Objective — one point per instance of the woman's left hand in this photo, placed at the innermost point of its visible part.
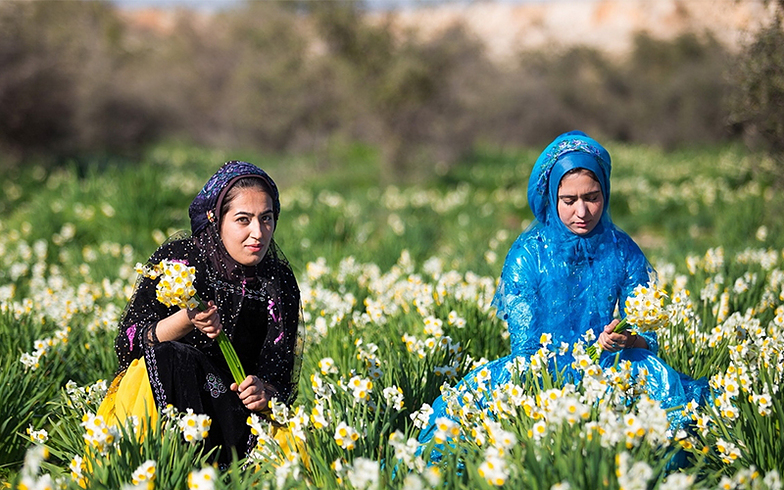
(611, 341)
(255, 393)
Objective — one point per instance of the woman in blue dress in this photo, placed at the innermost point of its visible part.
(564, 277)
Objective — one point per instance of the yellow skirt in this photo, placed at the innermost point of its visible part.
(129, 395)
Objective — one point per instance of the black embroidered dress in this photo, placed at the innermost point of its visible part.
(191, 372)
(259, 308)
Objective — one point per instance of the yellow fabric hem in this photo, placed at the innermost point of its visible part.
(129, 395)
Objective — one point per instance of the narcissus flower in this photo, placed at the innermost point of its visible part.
(346, 436)
(195, 427)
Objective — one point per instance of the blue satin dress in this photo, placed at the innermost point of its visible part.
(556, 282)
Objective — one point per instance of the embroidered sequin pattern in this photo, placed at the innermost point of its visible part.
(561, 149)
(131, 333)
(214, 385)
(155, 381)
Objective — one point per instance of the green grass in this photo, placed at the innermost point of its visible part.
(418, 253)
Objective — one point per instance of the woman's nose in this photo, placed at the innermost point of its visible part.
(255, 229)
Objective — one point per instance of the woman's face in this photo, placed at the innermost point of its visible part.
(580, 202)
(247, 227)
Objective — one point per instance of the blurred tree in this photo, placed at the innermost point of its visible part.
(757, 103)
(298, 76)
(37, 86)
(428, 101)
(565, 89)
(675, 91)
(64, 87)
(418, 94)
(268, 98)
(666, 93)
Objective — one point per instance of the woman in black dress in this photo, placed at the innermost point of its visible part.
(250, 293)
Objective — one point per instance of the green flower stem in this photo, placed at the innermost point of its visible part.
(621, 326)
(235, 366)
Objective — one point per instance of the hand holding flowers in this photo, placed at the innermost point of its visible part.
(175, 283)
(256, 394)
(175, 288)
(207, 320)
(612, 341)
(644, 312)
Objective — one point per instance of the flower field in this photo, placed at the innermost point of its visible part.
(396, 286)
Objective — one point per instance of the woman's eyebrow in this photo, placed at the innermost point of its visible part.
(575, 196)
(248, 213)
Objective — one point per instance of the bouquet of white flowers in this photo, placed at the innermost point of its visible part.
(644, 313)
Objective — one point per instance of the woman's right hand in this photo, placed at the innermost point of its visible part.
(611, 341)
(255, 393)
(208, 321)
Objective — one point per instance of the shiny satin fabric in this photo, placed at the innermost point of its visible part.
(570, 286)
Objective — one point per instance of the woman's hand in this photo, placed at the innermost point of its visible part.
(611, 341)
(255, 393)
(207, 321)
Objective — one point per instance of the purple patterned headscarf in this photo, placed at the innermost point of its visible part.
(204, 208)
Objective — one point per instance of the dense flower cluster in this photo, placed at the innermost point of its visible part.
(383, 341)
(144, 475)
(194, 426)
(203, 479)
(30, 479)
(645, 312)
(645, 308)
(42, 347)
(98, 434)
(37, 436)
(175, 283)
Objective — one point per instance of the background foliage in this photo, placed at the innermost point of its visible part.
(304, 77)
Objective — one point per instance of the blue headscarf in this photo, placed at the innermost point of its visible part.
(568, 151)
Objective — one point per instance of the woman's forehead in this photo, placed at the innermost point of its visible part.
(249, 195)
(584, 179)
